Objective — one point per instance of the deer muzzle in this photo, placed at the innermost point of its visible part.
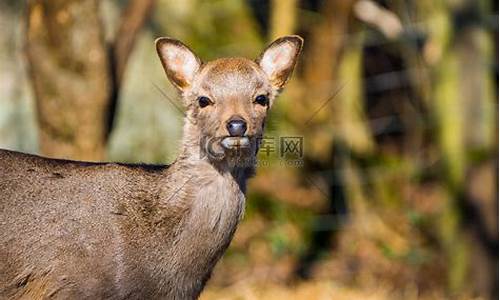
(235, 142)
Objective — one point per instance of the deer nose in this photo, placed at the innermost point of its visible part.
(236, 127)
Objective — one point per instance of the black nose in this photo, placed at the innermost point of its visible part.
(236, 127)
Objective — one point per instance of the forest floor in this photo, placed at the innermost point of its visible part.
(306, 290)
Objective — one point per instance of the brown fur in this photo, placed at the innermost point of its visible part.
(78, 230)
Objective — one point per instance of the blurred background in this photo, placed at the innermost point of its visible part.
(396, 193)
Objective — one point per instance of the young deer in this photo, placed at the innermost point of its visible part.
(79, 230)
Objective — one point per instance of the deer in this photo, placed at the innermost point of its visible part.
(105, 230)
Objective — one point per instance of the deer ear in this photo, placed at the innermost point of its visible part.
(279, 58)
(179, 62)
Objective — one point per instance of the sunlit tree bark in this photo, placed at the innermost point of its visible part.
(69, 70)
(283, 18)
(75, 77)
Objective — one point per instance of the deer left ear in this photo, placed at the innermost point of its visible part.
(179, 62)
(279, 58)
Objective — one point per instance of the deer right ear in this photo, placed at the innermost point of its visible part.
(179, 62)
(279, 59)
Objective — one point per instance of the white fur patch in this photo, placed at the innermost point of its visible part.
(232, 142)
(181, 61)
(278, 58)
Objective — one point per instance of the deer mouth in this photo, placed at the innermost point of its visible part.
(235, 142)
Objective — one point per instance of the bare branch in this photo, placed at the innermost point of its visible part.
(132, 20)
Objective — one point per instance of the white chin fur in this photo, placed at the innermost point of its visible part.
(234, 142)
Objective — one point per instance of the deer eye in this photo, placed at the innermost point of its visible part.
(262, 100)
(204, 101)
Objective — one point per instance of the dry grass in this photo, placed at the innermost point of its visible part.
(305, 290)
(317, 290)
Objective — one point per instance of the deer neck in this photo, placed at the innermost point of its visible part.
(214, 189)
(194, 156)
(214, 201)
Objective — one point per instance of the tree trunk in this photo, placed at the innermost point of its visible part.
(76, 76)
(283, 18)
(69, 69)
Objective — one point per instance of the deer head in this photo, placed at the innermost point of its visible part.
(227, 99)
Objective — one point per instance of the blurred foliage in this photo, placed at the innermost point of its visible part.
(396, 195)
